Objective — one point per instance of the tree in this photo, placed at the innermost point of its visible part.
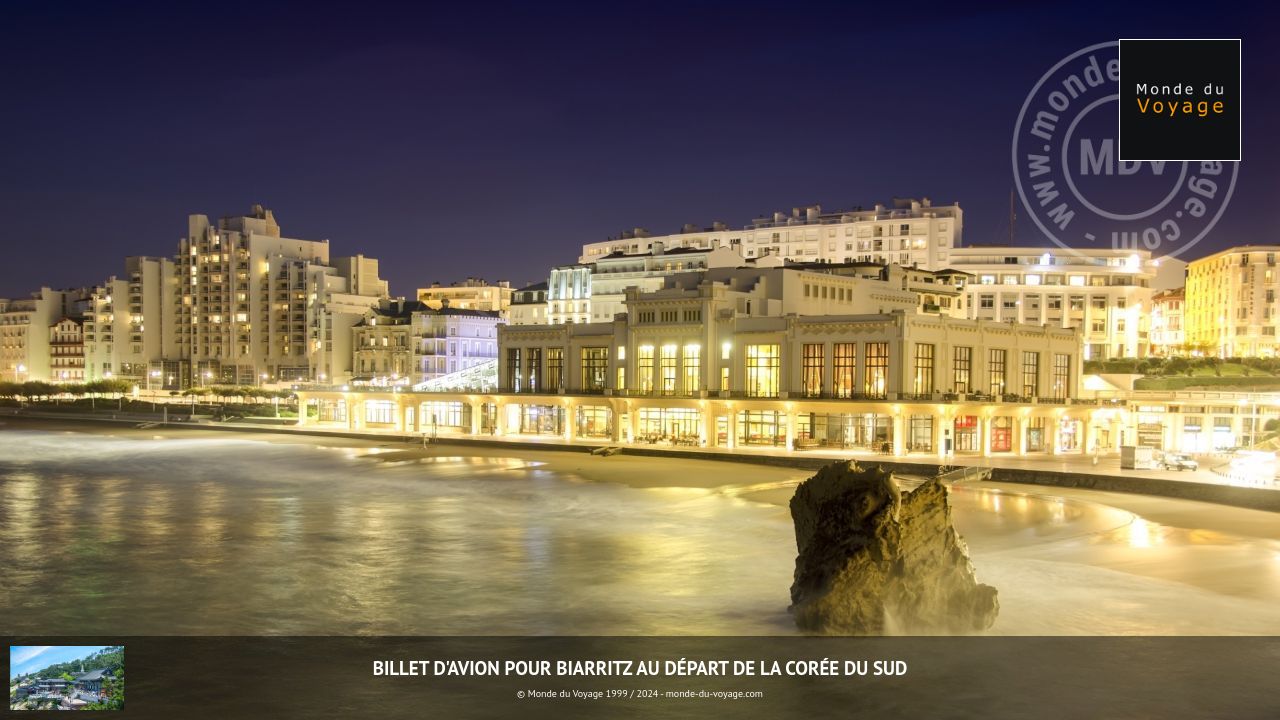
(1177, 365)
(113, 688)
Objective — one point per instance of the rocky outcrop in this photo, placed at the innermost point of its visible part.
(872, 559)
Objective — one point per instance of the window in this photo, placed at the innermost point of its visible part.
(962, 369)
(555, 368)
(644, 368)
(996, 371)
(595, 366)
(533, 365)
(764, 369)
(924, 368)
(814, 357)
(1061, 375)
(692, 368)
(876, 380)
(920, 433)
(1030, 373)
(513, 369)
(667, 369)
(381, 412)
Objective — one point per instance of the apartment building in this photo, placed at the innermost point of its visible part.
(911, 232)
(470, 294)
(130, 326)
(1231, 306)
(405, 342)
(529, 305)
(25, 337)
(256, 307)
(1168, 334)
(66, 351)
(1105, 293)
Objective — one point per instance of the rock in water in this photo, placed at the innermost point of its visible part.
(869, 555)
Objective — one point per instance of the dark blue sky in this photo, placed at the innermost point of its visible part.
(494, 140)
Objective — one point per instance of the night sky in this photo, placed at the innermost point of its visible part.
(489, 140)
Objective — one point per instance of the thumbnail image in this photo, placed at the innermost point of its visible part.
(66, 677)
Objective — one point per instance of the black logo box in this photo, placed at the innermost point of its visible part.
(1187, 68)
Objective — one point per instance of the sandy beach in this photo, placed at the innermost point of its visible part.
(766, 484)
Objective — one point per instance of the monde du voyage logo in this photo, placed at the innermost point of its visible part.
(1177, 171)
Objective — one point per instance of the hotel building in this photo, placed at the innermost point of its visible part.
(130, 326)
(1231, 306)
(1106, 293)
(403, 343)
(256, 307)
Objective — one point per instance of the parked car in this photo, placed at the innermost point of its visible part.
(1179, 461)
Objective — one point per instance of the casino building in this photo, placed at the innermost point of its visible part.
(776, 357)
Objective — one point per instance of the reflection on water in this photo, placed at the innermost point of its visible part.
(233, 536)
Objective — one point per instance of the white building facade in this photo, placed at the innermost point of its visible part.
(911, 232)
(1105, 293)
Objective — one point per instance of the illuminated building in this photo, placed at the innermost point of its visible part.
(912, 232)
(256, 307)
(1168, 335)
(403, 342)
(1107, 294)
(470, 294)
(1231, 306)
(774, 357)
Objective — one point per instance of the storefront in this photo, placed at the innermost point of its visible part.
(449, 416)
(920, 433)
(1036, 440)
(682, 426)
(765, 427)
(1150, 426)
(535, 419)
(331, 411)
(968, 438)
(594, 421)
(1070, 435)
(379, 413)
(1002, 434)
(1224, 435)
(845, 430)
